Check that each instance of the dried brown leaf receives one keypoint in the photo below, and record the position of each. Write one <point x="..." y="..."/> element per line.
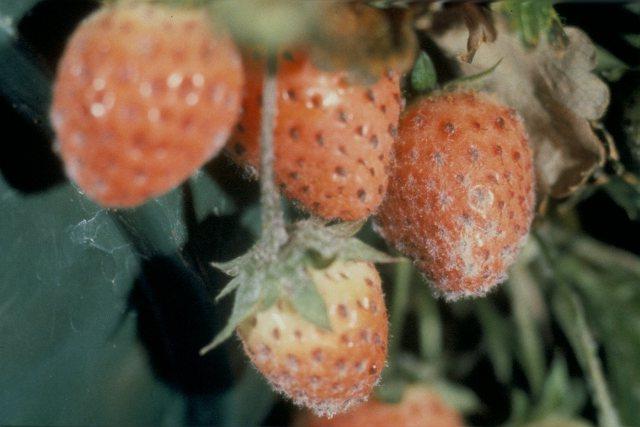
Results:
<point x="552" y="87"/>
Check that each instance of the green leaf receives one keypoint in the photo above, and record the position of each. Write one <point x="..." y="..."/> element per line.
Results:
<point x="250" y="388"/>
<point x="631" y="127"/>
<point x="415" y="368"/>
<point x="70" y="354"/>
<point x="531" y="18"/>
<point x="250" y="219"/>
<point x="626" y="195"/>
<point x="345" y="229"/>
<point x="307" y="301"/>
<point x="245" y="304"/>
<point x="230" y="287"/>
<point x="423" y="75"/>
<point x="11" y="11"/>
<point x="613" y="304"/>
<point x="390" y="390"/>
<point x="429" y="324"/>
<point x="471" y="79"/>
<point x="570" y="314"/>
<point x="356" y="250"/>
<point x="234" y="267"/>
<point x="461" y="398"/>
<point x="158" y="226"/>
<point x="402" y="281"/>
<point x="607" y="279"/>
<point x="497" y="338"/>
<point x="633" y="7"/>
<point x="519" y="408"/>
<point x="559" y="395"/>
<point x="208" y="197"/>
<point x="22" y="81"/>
<point x="608" y="66"/>
<point x="633" y="40"/>
<point x="530" y="347"/>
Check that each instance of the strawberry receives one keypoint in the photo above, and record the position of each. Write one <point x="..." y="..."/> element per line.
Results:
<point x="461" y="198"/>
<point x="325" y="370"/>
<point x="144" y="95"/>
<point x="333" y="137"/>
<point x="419" y="407"/>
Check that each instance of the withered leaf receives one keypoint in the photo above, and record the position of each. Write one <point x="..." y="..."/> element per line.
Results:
<point x="552" y="87"/>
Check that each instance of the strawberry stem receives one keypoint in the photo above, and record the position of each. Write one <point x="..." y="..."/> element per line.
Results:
<point x="274" y="234"/>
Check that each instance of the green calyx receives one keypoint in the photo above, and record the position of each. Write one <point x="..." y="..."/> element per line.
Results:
<point x="261" y="278"/>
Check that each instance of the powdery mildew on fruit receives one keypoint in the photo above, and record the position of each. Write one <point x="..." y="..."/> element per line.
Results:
<point x="333" y="138"/>
<point x="461" y="200"/>
<point x="144" y="95"/>
<point x="326" y="371"/>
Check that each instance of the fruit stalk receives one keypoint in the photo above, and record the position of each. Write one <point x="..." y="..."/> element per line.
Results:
<point x="274" y="234"/>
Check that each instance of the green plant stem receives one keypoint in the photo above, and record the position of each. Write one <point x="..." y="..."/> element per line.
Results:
<point x="399" y="302"/>
<point x="274" y="234"/>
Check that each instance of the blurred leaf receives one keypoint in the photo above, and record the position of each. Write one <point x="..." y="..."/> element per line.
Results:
<point x="416" y="369"/>
<point x="631" y="126"/>
<point x="69" y="353"/>
<point x="390" y="389"/>
<point x="423" y="75"/>
<point x="530" y="347"/>
<point x="158" y="226"/>
<point x="633" y="40"/>
<point x="461" y="398"/>
<point x="250" y="219"/>
<point x="559" y="395"/>
<point x="559" y="422"/>
<point x="13" y="10"/>
<point x="570" y="314"/>
<point x="402" y="283"/>
<point x="519" y="408"/>
<point x="608" y="66"/>
<point x="208" y="197"/>
<point x="22" y="81"/>
<point x="251" y="389"/>
<point x="429" y="324"/>
<point x="531" y="18"/>
<point x="609" y="278"/>
<point x="497" y="338"/>
<point x="633" y="7"/>
<point x="626" y="195"/>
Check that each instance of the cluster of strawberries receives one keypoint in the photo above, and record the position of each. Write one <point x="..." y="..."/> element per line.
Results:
<point x="145" y="95"/>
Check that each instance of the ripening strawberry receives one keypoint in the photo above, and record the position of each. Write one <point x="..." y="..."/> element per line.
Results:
<point x="325" y="370"/>
<point x="144" y="95"/>
<point x="419" y="407"/>
<point x="333" y="137"/>
<point x="460" y="201"/>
